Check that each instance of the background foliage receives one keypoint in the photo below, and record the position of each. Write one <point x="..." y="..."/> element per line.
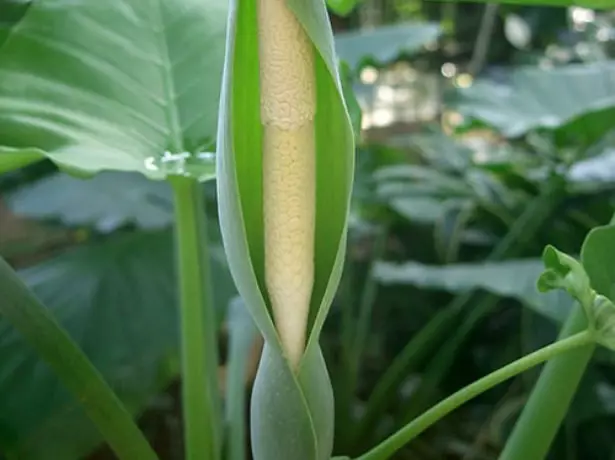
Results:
<point x="486" y="133"/>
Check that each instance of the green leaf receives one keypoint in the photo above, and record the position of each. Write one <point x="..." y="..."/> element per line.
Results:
<point x="114" y="86"/>
<point x="292" y="414"/>
<point x="564" y="272"/>
<point x="45" y="416"/>
<point x="383" y="45"/>
<point x="342" y="7"/>
<point x="594" y="173"/>
<point x="117" y="299"/>
<point x="597" y="260"/>
<point x="577" y="99"/>
<point x="595" y="4"/>
<point x="15" y="158"/>
<point x="600" y="269"/>
<point x="106" y="202"/>
<point x="512" y="278"/>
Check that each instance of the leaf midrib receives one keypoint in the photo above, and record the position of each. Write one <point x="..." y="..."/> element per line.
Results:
<point x="176" y="140"/>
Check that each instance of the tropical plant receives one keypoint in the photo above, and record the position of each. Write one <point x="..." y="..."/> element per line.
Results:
<point x="138" y="104"/>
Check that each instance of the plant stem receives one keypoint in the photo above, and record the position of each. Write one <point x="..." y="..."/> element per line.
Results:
<point x="549" y="401"/>
<point x="483" y="40"/>
<point x="440" y="363"/>
<point x="368" y="297"/>
<point x="521" y="232"/>
<point x="354" y="336"/>
<point x="200" y="399"/>
<point x="392" y="444"/>
<point x="40" y="329"/>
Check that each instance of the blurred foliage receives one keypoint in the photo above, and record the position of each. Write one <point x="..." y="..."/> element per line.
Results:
<point x="449" y="221"/>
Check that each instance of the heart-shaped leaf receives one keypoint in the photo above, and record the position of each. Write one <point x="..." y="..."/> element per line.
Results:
<point x="120" y="85"/>
<point x="578" y="96"/>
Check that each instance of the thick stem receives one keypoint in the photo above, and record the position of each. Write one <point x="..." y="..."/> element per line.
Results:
<point x="200" y="399"/>
<point x="549" y="401"/>
<point x="391" y="445"/>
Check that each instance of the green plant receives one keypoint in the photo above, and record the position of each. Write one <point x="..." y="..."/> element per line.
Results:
<point x="144" y="119"/>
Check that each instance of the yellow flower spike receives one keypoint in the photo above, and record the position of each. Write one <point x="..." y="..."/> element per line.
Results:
<point x="288" y="107"/>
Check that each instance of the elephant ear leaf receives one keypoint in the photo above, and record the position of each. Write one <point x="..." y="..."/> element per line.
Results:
<point x="292" y="415"/>
<point x="116" y="85"/>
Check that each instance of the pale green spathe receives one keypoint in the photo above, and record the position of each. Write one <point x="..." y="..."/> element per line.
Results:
<point x="292" y="415"/>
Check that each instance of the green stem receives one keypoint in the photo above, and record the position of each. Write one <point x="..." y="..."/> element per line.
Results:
<point x="395" y="442"/>
<point x="549" y="401"/>
<point x="40" y="329"/>
<point x="368" y="297"/>
<point x="412" y="354"/>
<point x="522" y="231"/>
<point x="354" y="336"/>
<point x="200" y="398"/>
<point x="484" y="39"/>
<point x="440" y="363"/>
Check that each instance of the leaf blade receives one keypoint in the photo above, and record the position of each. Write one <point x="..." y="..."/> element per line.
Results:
<point x="115" y="86"/>
<point x="41" y="330"/>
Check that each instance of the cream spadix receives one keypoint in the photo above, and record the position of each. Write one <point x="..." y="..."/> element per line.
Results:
<point x="288" y="108"/>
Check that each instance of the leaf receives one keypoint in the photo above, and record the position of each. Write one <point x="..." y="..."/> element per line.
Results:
<point x="299" y="404"/>
<point x="390" y="178"/>
<point x="564" y="272"/>
<point x="442" y="151"/>
<point x="14" y="158"/>
<point x="116" y="298"/>
<point x="600" y="269"/>
<point x="596" y="4"/>
<point x="594" y="172"/>
<point x="512" y="278"/>
<point x="382" y="45"/>
<point x="107" y="201"/>
<point x="597" y="260"/>
<point x="419" y="209"/>
<point x="577" y="99"/>
<point x="124" y="85"/>
<point x="342" y="7"/>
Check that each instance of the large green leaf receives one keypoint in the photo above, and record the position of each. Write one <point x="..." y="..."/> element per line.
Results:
<point x="292" y="414"/>
<point x="384" y="44"/>
<point x="114" y="85"/>
<point x="107" y="201"/>
<point x="116" y="298"/>
<point x="578" y="96"/>
<point x="514" y="278"/>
